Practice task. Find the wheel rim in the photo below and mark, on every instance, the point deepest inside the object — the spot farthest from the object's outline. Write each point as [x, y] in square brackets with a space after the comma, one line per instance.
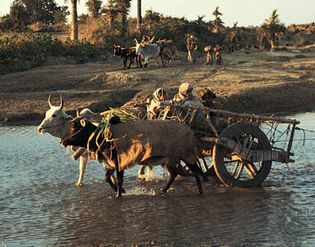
[234, 170]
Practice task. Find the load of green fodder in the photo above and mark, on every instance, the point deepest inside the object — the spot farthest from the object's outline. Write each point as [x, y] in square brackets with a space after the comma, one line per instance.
[102, 133]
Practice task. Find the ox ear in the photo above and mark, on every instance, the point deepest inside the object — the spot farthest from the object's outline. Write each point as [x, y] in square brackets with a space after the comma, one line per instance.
[49, 101]
[83, 122]
[114, 120]
[61, 103]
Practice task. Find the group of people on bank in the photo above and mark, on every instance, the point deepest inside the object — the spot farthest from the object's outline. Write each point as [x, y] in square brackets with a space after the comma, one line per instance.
[213, 53]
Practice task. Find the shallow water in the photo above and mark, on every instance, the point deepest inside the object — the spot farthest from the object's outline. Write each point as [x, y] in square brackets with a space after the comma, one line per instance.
[41, 206]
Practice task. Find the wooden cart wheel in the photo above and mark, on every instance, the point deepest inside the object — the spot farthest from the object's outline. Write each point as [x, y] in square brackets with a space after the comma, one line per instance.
[231, 168]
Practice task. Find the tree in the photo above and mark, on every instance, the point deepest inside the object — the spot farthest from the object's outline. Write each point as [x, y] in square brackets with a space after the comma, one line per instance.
[123, 7]
[139, 16]
[60, 16]
[150, 18]
[42, 11]
[217, 22]
[19, 15]
[74, 19]
[233, 36]
[94, 7]
[272, 29]
[6, 23]
[200, 24]
[111, 11]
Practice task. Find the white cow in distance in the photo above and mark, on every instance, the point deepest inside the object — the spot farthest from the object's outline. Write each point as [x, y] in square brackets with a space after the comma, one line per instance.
[148, 51]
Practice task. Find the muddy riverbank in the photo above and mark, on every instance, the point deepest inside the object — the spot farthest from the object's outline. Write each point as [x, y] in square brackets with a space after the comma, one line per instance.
[249, 81]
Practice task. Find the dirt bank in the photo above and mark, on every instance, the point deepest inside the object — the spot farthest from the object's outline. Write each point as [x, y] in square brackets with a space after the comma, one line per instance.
[256, 81]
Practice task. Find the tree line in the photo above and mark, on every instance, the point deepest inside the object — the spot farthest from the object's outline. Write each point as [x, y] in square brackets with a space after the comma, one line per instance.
[110, 23]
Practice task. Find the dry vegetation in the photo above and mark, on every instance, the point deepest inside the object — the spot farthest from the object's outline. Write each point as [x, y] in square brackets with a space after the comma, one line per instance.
[255, 81]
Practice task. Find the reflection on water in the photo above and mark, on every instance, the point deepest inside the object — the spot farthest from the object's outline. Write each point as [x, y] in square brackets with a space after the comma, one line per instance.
[39, 204]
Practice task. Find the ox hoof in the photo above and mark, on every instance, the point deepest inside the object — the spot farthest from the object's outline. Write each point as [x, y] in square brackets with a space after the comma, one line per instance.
[122, 190]
[118, 194]
[163, 190]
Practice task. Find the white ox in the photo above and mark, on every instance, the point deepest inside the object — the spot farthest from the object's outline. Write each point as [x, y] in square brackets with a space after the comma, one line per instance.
[57, 123]
[148, 51]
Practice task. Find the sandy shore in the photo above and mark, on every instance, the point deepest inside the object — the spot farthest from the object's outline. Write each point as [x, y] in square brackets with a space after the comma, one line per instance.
[257, 82]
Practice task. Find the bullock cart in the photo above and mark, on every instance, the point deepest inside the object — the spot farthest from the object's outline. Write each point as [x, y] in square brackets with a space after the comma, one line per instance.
[238, 148]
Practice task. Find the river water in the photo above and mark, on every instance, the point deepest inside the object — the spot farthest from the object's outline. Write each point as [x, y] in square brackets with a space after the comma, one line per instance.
[41, 206]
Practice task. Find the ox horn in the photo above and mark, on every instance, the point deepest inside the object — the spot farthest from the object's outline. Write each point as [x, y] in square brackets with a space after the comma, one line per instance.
[49, 101]
[61, 103]
[77, 112]
[151, 40]
[136, 41]
[82, 122]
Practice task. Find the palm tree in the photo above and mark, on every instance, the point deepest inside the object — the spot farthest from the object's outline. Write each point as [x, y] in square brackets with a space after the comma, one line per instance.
[217, 22]
[233, 36]
[94, 7]
[139, 16]
[216, 12]
[74, 19]
[200, 24]
[271, 29]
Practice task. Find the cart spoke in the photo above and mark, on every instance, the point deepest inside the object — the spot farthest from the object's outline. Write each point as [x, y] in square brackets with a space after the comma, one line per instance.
[239, 172]
[235, 169]
[253, 167]
[251, 170]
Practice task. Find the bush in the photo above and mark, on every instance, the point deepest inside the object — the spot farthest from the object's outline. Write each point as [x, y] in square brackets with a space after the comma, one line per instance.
[33, 49]
[36, 47]
[80, 48]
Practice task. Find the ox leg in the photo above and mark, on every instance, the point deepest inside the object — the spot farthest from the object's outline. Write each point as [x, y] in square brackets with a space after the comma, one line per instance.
[119, 174]
[195, 171]
[109, 178]
[172, 171]
[141, 173]
[149, 173]
[125, 62]
[82, 166]
[130, 62]
[162, 61]
[140, 62]
[120, 178]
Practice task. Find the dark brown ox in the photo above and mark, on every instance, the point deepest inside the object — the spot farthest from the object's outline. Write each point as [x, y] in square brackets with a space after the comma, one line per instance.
[141, 142]
[127, 53]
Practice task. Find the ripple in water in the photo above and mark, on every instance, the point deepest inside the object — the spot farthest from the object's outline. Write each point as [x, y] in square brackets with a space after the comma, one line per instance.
[41, 206]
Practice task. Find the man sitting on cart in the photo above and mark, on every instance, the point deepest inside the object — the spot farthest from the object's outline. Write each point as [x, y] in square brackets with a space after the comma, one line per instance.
[157, 103]
[185, 97]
